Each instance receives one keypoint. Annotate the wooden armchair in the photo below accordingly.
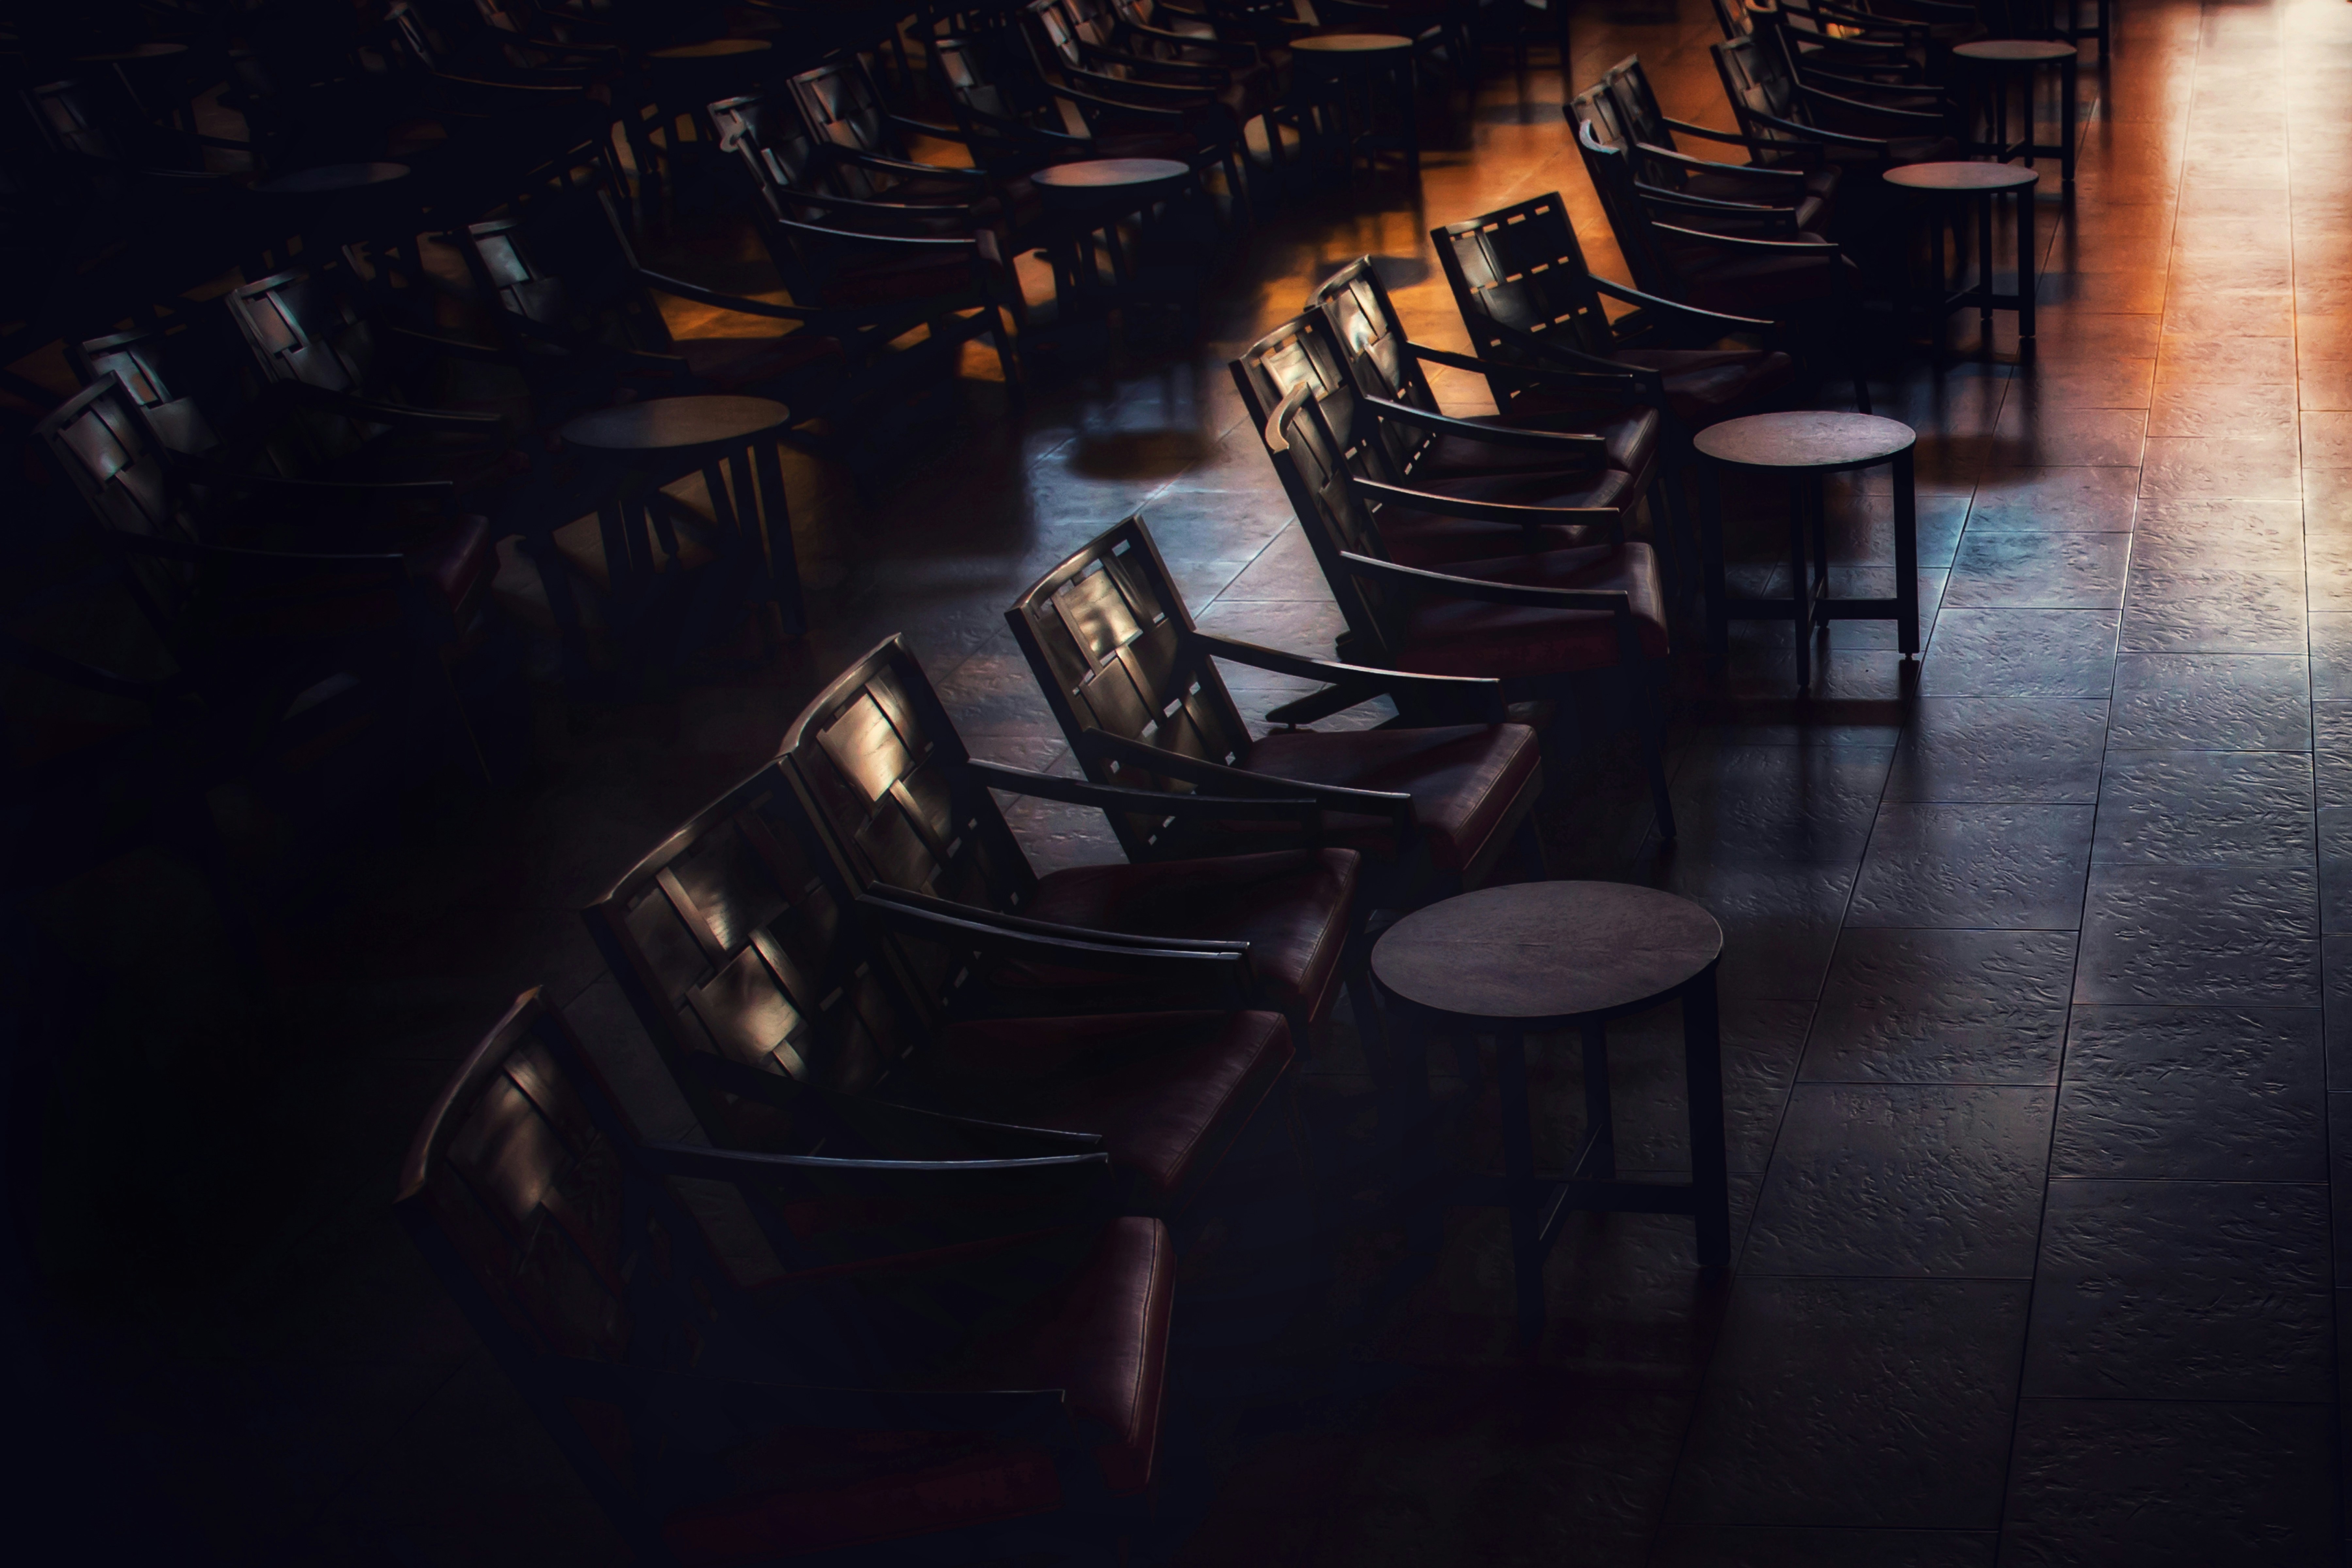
(1432, 803)
(909, 814)
(785, 1019)
(723, 1407)
(1540, 622)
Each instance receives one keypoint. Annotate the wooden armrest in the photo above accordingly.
(1582, 451)
(1611, 600)
(1480, 699)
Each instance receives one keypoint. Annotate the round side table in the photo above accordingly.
(1089, 199)
(329, 205)
(1977, 186)
(1807, 446)
(1539, 957)
(1347, 74)
(1996, 64)
(649, 538)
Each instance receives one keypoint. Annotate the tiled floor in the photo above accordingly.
(2032, 990)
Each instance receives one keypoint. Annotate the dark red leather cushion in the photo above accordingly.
(456, 562)
(1291, 907)
(1462, 778)
(1099, 1335)
(1431, 539)
(1463, 637)
(731, 363)
(1168, 1092)
(1704, 385)
(894, 280)
(1630, 438)
(1757, 283)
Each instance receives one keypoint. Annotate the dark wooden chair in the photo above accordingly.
(1540, 622)
(865, 152)
(1563, 424)
(1433, 803)
(777, 1010)
(1526, 295)
(1772, 105)
(907, 813)
(1594, 115)
(1424, 524)
(583, 320)
(1776, 174)
(1805, 279)
(722, 1406)
(1215, 108)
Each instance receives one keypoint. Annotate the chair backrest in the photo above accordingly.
(1300, 352)
(736, 943)
(840, 104)
(1518, 273)
(563, 271)
(1645, 118)
(767, 132)
(1106, 633)
(1054, 37)
(986, 73)
(104, 444)
(1370, 340)
(884, 772)
(156, 369)
(1757, 82)
(1600, 142)
(312, 329)
(1731, 15)
(1312, 465)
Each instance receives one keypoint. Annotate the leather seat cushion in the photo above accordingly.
(1630, 438)
(1463, 637)
(1168, 1092)
(1704, 385)
(1462, 778)
(1291, 906)
(1433, 540)
(1099, 1333)
(1757, 283)
(731, 363)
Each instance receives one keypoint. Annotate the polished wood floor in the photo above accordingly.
(2032, 1000)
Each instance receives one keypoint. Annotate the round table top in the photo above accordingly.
(714, 49)
(2015, 51)
(1546, 951)
(1350, 43)
(1805, 439)
(1099, 173)
(330, 177)
(1962, 177)
(661, 423)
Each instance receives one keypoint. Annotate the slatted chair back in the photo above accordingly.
(1732, 18)
(737, 946)
(1111, 628)
(1758, 83)
(113, 457)
(997, 99)
(1371, 341)
(184, 391)
(1300, 352)
(1640, 123)
(767, 132)
(1519, 278)
(884, 771)
(840, 106)
(1054, 34)
(1600, 140)
(1314, 469)
(310, 329)
(561, 271)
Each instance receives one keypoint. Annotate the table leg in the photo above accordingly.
(1984, 271)
(1703, 1071)
(1800, 583)
(2025, 272)
(776, 536)
(1906, 557)
(1599, 1119)
(2070, 90)
(1816, 498)
(1519, 1166)
(1710, 550)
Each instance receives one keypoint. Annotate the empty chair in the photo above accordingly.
(1537, 621)
(1772, 105)
(907, 813)
(1777, 173)
(1136, 686)
(742, 951)
(729, 1398)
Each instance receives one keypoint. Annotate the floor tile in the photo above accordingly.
(1868, 1403)
(1763, 1547)
(2001, 749)
(2166, 1483)
(2209, 702)
(2218, 536)
(1974, 865)
(1778, 803)
(2208, 808)
(2020, 652)
(2057, 499)
(2200, 936)
(2039, 570)
(1943, 1006)
(2192, 1092)
(1903, 1179)
(2169, 611)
